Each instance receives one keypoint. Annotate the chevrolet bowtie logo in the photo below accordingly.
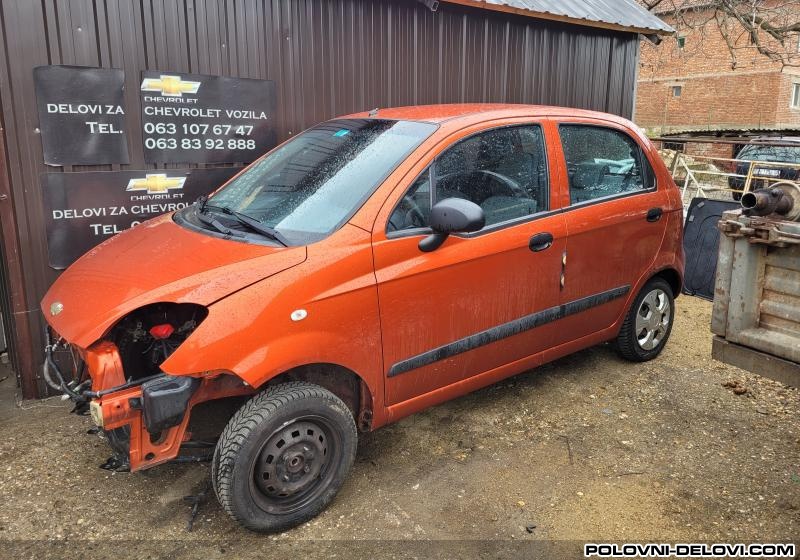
(172, 86)
(156, 183)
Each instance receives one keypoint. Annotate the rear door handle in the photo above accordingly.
(654, 214)
(540, 242)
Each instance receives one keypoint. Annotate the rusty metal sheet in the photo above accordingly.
(758, 362)
(761, 283)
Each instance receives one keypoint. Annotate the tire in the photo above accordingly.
(643, 335)
(283, 456)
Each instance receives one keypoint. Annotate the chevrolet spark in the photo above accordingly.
(366, 269)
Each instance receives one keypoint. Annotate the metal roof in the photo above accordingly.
(622, 15)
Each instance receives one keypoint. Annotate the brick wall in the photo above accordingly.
(712, 150)
(714, 103)
(784, 94)
(715, 93)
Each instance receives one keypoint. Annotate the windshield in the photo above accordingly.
(780, 154)
(311, 185)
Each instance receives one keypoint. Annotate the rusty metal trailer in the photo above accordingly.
(756, 314)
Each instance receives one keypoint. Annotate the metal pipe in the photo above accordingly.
(764, 202)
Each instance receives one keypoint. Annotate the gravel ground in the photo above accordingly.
(680, 449)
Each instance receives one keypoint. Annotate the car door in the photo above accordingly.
(615, 223)
(469, 306)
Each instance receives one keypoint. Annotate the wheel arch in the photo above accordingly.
(672, 277)
(339, 380)
(669, 274)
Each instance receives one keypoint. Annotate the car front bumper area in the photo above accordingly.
(144, 419)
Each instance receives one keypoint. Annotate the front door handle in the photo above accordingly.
(654, 214)
(540, 242)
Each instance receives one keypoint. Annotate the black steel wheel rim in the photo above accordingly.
(295, 464)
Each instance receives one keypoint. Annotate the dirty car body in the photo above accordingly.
(380, 263)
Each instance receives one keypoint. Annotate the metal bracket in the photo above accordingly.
(765, 232)
(432, 4)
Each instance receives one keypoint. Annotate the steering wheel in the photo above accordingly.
(412, 216)
(515, 188)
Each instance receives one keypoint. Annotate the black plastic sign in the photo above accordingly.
(83, 209)
(81, 115)
(191, 118)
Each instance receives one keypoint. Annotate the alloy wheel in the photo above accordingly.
(652, 319)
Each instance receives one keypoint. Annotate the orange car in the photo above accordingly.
(366, 269)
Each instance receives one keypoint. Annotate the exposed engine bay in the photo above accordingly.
(145, 338)
(140, 343)
(148, 336)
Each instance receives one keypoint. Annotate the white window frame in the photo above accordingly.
(794, 101)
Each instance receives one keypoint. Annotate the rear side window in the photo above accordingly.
(603, 162)
(504, 171)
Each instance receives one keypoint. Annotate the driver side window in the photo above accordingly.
(504, 171)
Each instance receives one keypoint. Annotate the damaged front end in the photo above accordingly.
(144, 412)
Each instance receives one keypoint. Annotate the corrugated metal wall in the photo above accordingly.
(328, 57)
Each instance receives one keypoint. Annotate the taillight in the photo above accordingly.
(162, 331)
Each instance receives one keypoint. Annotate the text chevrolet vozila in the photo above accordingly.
(366, 269)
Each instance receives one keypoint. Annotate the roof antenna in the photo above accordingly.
(374, 112)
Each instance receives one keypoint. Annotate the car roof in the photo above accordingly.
(477, 112)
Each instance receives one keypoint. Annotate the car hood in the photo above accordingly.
(157, 261)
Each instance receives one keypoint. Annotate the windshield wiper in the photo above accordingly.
(246, 220)
(213, 222)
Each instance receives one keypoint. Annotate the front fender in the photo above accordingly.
(252, 334)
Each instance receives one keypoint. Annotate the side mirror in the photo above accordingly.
(452, 215)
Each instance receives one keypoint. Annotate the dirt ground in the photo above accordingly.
(589, 448)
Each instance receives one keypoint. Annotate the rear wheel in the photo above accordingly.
(648, 323)
(283, 456)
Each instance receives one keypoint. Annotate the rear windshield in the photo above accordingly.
(781, 154)
(311, 185)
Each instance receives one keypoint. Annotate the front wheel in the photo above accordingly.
(283, 456)
(647, 325)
